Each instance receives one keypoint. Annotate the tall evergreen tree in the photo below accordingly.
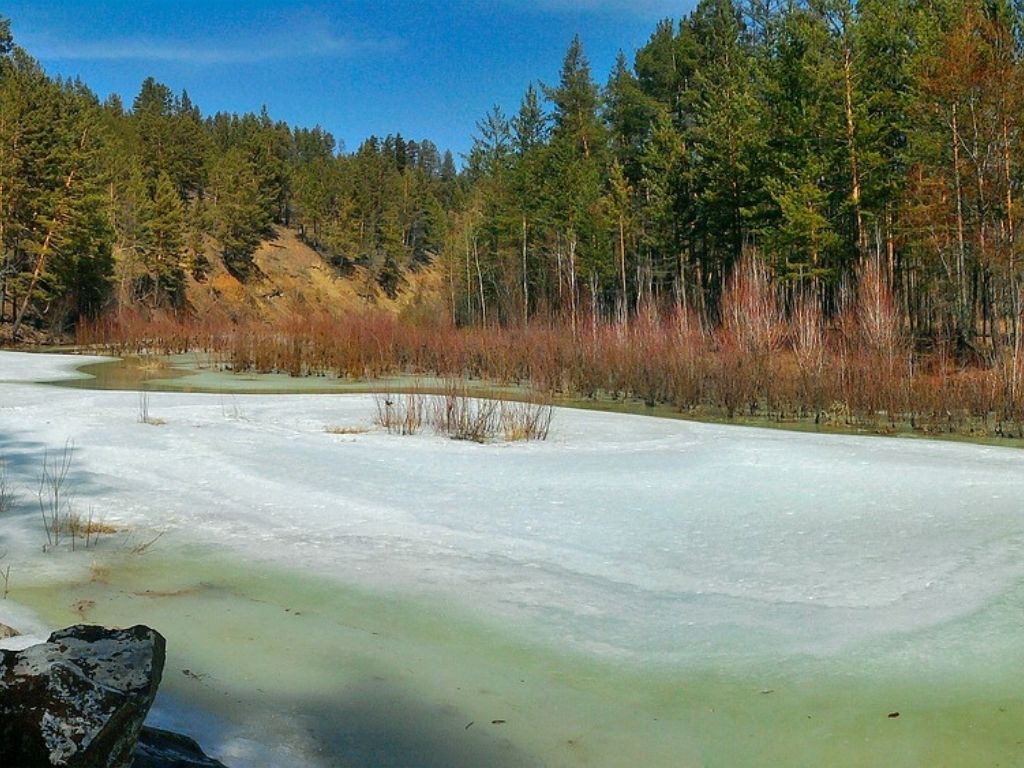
(239, 210)
(164, 243)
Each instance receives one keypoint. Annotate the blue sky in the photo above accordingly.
(424, 69)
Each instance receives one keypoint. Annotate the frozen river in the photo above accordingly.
(633, 590)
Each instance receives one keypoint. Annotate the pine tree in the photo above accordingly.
(576, 102)
(239, 210)
(619, 200)
(131, 209)
(807, 172)
(55, 220)
(574, 174)
(667, 215)
(164, 244)
(492, 146)
(529, 126)
(629, 115)
(728, 136)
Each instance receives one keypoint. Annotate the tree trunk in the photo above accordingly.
(1011, 235)
(983, 260)
(622, 257)
(526, 285)
(4, 258)
(469, 283)
(855, 193)
(572, 280)
(961, 253)
(480, 284)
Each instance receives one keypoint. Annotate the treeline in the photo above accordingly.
(101, 204)
(814, 133)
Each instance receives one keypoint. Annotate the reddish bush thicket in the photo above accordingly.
(748, 339)
(807, 339)
(860, 368)
(880, 356)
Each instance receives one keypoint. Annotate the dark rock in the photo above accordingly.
(78, 700)
(163, 749)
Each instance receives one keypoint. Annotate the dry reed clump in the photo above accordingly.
(770, 354)
(457, 414)
(401, 414)
(529, 420)
(84, 527)
(52, 493)
(154, 364)
(61, 521)
(345, 430)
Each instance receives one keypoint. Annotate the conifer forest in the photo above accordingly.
(779, 181)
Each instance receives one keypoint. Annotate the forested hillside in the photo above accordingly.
(104, 206)
(813, 135)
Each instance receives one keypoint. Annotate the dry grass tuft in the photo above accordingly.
(530, 420)
(461, 416)
(346, 430)
(457, 415)
(144, 415)
(83, 529)
(154, 364)
(84, 526)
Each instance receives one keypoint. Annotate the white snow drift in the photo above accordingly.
(624, 536)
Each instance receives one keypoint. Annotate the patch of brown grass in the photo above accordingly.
(153, 364)
(346, 430)
(84, 527)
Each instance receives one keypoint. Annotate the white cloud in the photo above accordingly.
(293, 45)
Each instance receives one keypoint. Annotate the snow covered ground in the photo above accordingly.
(621, 534)
(623, 538)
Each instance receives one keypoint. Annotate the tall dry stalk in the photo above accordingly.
(400, 414)
(807, 325)
(750, 335)
(7, 496)
(54, 500)
(883, 353)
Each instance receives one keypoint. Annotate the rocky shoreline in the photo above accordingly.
(80, 700)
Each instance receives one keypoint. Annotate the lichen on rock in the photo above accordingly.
(78, 700)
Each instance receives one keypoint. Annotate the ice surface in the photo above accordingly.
(726, 595)
(27, 366)
(623, 536)
(31, 630)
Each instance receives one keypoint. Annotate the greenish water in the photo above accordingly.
(334, 676)
(195, 373)
(198, 373)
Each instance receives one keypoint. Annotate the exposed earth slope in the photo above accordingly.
(292, 278)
